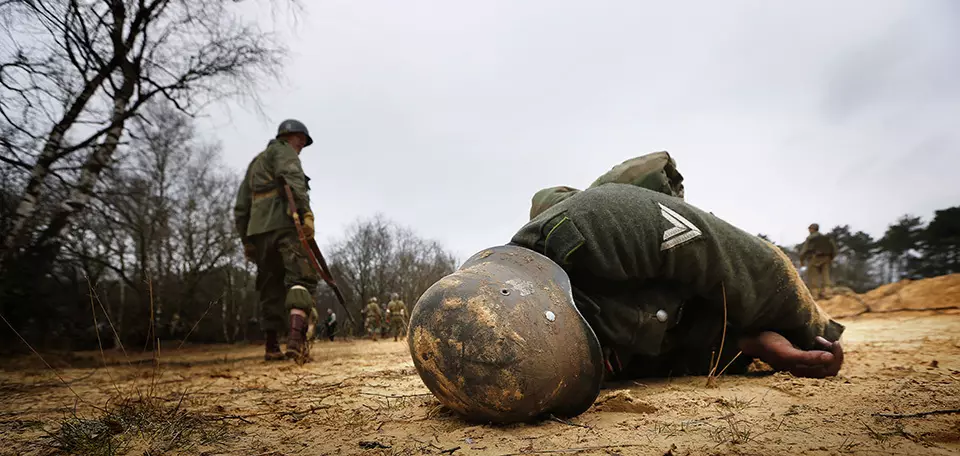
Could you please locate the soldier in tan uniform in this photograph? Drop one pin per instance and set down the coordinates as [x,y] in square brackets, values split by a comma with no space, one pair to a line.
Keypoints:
[374,316]
[817,254]
[397,316]
[285,280]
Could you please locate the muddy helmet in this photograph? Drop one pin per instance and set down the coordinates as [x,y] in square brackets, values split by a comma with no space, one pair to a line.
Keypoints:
[501,340]
[294,126]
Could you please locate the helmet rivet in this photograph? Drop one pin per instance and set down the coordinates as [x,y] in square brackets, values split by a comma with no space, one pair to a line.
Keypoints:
[662,315]
[505,292]
[550,315]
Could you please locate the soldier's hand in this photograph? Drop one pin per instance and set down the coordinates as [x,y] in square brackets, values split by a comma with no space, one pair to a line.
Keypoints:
[308,225]
[778,352]
[250,252]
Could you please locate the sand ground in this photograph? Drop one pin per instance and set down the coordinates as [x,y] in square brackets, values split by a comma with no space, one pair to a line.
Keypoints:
[364,397]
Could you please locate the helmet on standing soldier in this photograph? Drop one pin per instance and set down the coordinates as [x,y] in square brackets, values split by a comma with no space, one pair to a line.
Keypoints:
[294,126]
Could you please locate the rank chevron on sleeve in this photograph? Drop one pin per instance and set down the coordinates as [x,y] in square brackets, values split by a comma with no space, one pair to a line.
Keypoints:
[681,232]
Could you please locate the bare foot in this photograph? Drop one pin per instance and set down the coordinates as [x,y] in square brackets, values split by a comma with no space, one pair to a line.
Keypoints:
[778,352]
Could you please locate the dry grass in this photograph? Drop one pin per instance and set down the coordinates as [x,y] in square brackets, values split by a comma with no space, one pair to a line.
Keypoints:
[131,422]
[148,427]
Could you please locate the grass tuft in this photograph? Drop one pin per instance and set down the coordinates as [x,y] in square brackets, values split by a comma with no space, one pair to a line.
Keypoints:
[148,426]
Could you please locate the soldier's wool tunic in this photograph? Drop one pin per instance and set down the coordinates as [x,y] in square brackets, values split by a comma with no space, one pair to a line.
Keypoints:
[650,274]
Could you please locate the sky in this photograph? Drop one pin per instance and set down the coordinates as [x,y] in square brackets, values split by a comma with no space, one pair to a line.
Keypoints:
[446,116]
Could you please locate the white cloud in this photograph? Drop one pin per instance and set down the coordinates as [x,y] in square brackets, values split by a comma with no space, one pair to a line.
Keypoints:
[447,116]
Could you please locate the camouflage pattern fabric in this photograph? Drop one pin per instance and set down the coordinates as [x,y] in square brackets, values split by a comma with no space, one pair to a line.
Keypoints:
[260,204]
[656,171]
[652,274]
[372,321]
[282,264]
[398,313]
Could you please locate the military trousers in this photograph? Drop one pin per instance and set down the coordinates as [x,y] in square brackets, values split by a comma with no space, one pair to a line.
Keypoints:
[396,327]
[818,275]
[285,278]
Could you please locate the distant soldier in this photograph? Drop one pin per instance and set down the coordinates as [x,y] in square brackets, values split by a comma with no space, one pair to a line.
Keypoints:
[331,324]
[374,318]
[397,314]
[270,239]
[817,254]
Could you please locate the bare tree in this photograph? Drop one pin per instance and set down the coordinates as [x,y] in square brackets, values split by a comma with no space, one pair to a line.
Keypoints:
[75,72]
[376,257]
[161,223]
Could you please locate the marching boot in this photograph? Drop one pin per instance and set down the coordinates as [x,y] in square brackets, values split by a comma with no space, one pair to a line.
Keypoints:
[273,352]
[296,340]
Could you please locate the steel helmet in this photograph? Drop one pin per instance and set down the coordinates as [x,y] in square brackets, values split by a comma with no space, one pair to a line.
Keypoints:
[501,340]
[294,126]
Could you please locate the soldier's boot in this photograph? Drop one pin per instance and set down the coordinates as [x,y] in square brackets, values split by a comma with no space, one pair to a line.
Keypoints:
[273,352]
[296,340]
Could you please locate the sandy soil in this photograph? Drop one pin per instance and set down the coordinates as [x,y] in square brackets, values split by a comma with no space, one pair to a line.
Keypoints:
[363,397]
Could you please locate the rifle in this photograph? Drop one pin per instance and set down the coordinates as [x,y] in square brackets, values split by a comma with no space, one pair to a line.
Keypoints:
[313,251]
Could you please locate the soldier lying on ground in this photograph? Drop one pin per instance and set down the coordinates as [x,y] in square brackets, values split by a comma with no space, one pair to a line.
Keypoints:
[613,282]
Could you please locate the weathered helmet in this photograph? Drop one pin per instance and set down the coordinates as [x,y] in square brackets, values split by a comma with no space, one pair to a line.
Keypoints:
[373,299]
[394,296]
[501,340]
[294,126]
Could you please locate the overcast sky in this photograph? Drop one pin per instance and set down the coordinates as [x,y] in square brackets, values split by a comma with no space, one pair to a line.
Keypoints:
[446,116]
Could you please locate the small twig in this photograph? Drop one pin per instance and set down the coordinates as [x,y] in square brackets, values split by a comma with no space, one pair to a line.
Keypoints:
[573,450]
[568,423]
[392,396]
[425,443]
[918,414]
[279,414]
[728,364]
[450,451]
[231,417]
[723,337]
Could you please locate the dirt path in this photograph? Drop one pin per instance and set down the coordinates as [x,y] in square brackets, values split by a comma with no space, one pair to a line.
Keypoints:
[366,394]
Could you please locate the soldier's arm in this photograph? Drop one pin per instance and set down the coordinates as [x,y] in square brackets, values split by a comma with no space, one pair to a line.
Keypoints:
[287,165]
[241,207]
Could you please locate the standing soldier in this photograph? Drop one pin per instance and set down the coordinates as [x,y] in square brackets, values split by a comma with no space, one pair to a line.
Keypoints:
[331,324]
[374,316]
[285,279]
[818,251]
[397,313]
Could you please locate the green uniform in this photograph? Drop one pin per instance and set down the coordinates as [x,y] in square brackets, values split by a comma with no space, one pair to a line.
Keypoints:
[374,317]
[398,317]
[650,274]
[817,253]
[285,278]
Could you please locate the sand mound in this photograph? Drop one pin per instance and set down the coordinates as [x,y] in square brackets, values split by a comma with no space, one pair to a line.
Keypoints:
[927,294]
[934,293]
[843,302]
[622,402]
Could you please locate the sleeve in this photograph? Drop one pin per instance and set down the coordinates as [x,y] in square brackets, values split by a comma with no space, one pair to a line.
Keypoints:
[241,207]
[805,249]
[638,236]
[287,165]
